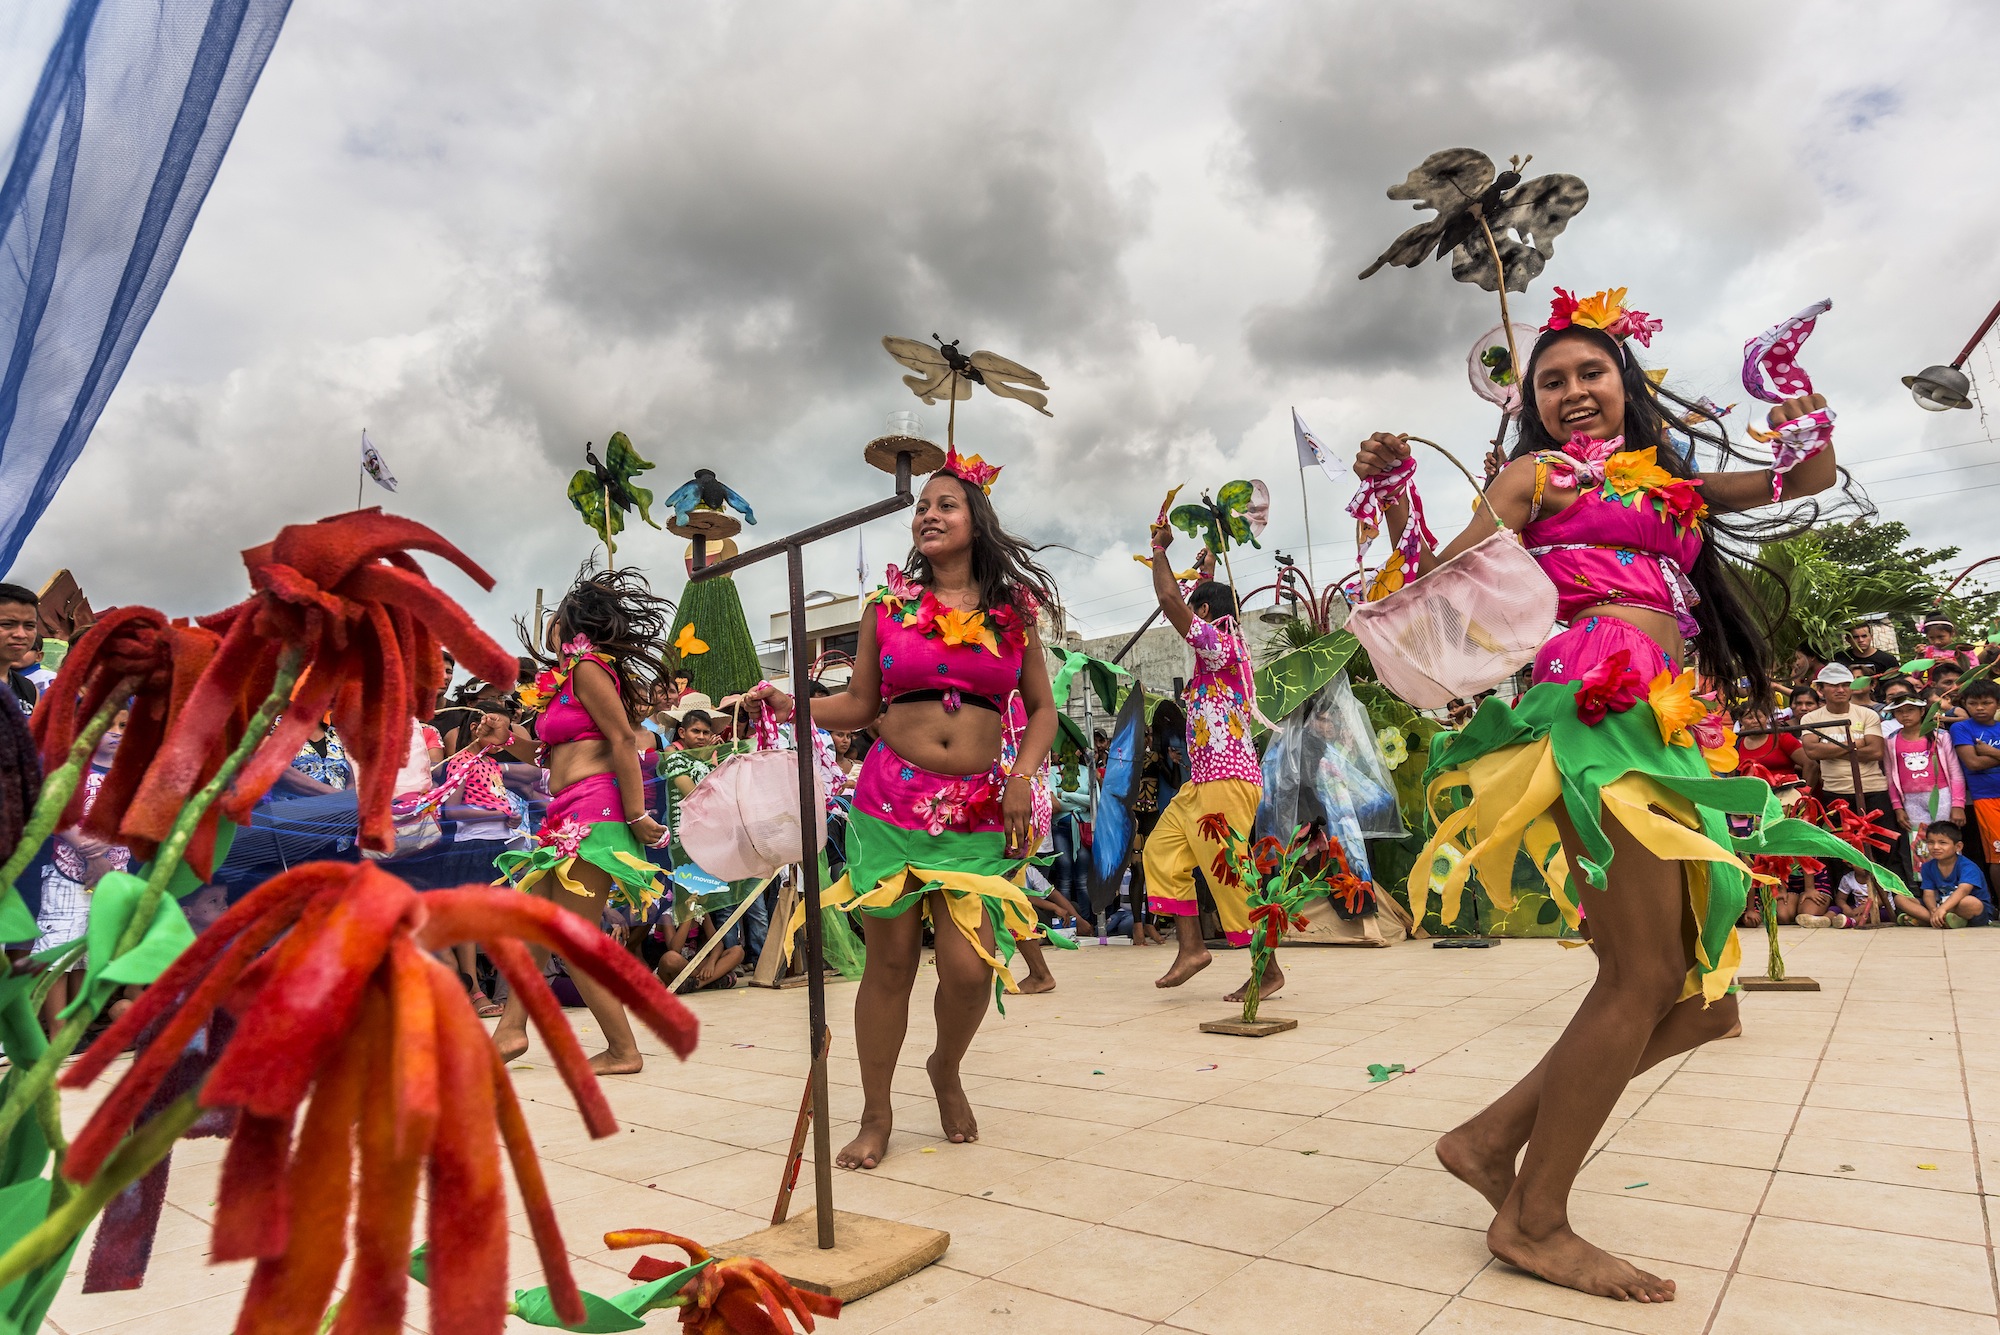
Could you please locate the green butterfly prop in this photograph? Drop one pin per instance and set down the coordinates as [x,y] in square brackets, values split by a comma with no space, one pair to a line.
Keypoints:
[603,493]
[1234,515]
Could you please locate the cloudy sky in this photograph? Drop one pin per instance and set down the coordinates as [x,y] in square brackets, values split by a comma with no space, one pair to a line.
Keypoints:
[490,232]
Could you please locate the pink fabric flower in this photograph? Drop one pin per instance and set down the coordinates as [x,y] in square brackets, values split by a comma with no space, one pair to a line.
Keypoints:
[1581,463]
[924,619]
[565,836]
[942,808]
[1610,687]
[1561,309]
[1640,327]
[902,586]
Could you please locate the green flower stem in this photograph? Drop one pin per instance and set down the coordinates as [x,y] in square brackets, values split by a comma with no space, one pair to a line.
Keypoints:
[41,1077]
[127,1164]
[1253,994]
[1775,969]
[59,786]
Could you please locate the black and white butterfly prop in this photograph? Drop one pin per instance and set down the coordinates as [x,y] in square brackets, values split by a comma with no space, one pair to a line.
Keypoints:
[1525,217]
[943,372]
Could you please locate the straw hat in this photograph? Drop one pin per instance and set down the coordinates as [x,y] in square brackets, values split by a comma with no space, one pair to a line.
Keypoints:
[693,700]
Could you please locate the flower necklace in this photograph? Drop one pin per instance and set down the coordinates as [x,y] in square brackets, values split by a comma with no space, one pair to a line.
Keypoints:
[549,681]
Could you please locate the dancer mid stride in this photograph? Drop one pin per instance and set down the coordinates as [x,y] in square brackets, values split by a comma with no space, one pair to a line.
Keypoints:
[1610,742]
[950,672]
[1224,777]
[605,639]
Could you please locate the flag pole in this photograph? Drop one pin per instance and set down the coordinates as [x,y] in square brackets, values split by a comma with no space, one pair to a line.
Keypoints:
[361,469]
[1307,510]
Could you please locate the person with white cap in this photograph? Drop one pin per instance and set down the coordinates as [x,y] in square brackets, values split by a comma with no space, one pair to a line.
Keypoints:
[1858,754]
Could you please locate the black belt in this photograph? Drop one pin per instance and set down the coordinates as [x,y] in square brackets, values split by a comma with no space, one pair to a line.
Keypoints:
[950,697]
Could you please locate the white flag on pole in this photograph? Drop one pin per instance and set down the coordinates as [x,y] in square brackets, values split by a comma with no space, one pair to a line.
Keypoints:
[1310,450]
[373,464]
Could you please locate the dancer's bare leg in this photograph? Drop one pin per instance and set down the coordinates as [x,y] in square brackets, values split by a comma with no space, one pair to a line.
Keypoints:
[1481,1153]
[621,1055]
[881,1018]
[1191,955]
[1642,961]
[1039,978]
[965,990]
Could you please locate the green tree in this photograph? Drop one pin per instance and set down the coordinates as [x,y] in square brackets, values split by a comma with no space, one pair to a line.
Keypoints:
[729,664]
[1884,551]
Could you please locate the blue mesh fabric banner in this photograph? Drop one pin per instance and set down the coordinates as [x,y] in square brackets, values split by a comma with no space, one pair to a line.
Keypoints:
[122,139]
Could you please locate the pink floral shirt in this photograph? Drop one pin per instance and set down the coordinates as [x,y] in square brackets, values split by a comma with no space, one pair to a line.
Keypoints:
[1218,705]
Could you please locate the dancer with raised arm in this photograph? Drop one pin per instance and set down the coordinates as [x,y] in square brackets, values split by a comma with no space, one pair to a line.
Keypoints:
[947,809]
[1225,780]
[1611,743]
[603,651]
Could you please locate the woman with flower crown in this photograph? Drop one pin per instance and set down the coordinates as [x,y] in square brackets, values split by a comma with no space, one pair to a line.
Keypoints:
[948,807]
[605,639]
[1610,748]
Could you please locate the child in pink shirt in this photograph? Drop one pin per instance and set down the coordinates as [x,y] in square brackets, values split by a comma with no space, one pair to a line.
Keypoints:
[1926,782]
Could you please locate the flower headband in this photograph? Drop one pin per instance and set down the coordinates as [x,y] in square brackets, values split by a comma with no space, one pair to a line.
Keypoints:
[1602,310]
[970,469]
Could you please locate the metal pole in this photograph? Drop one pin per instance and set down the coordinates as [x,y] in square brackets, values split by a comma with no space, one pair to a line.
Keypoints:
[1144,626]
[1307,509]
[1973,342]
[802,745]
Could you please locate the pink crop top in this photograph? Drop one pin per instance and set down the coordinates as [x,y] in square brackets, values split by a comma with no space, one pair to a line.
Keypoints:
[563,718]
[925,646]
[1601,549]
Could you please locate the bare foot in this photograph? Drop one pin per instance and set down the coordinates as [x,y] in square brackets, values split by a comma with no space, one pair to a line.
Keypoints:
[510,1045]
[1184,968]
[1037,983]
[1274,983]
[869,1147]
[1487,1168]
[1564,1258]
[954,1109]
[611,1063]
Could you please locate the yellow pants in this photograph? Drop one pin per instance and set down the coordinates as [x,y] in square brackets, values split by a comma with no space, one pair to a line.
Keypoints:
[1176,848]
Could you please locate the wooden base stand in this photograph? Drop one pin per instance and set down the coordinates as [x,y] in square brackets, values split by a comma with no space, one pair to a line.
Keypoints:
[1259,1028]
[1794,983]
[871,1253]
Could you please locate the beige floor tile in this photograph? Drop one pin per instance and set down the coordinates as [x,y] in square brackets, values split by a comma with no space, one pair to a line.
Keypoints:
[1159,1153]
[1400,1251]
[959,1168]
[631,1157]
[1215,1121]
[1276,1094]
[1085,1191]
[1721,1114]
[1303,1175]
[1269,1296]
[742,1181]
[1435,1115]
[1466,1316]
[1885,1128]
[1857,1203]
[1225,1217]
[988,1236]
[1429,1194]
[1681,1181]
[1358,1140]
[1687,1314]
[1135,1273]
[1675,1140]
[992,1308]
[919,1293]
[1757,1306]
[1888,1099]
[1904,1165]
[1913,1269]
[1659,1230]
[1757,1089]
[173,1282]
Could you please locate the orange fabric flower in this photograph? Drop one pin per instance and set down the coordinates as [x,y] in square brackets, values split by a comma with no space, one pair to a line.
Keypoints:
[1674,707]
[956,627]
[1630,472]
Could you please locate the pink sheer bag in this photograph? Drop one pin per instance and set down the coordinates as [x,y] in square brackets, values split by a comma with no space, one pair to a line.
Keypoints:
[1466,626]
[742,821]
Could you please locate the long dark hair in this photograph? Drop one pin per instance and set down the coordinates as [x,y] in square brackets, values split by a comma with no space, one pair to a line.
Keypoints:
[1731,644]
[1003,565]
[623,619]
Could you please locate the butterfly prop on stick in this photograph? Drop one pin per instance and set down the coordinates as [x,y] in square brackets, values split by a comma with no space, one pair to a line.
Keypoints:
[1236,513]
[943,372]
[1771,371]
[605,492]
[1499,230]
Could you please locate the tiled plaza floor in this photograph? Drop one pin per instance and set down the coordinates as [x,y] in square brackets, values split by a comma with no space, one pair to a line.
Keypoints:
[1824,1173]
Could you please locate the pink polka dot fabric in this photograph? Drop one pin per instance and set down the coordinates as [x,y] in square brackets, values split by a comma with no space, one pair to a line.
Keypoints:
[1771,371]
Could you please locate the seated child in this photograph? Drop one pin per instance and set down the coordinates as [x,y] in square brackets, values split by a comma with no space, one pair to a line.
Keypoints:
[1855,904]
[1953,888]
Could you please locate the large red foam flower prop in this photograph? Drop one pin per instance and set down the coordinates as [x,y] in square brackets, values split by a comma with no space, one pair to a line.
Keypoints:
[1610,687]
[350,1019]
[739,1296]
[1862,830]
[346,594]
[133,652]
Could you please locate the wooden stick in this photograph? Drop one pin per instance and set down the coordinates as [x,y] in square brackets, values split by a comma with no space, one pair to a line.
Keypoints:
[788,1181]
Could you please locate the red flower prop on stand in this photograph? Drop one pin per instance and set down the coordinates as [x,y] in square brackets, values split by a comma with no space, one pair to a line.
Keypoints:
[1863,830]
[345,600]
[739,1296]
[342,1012]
